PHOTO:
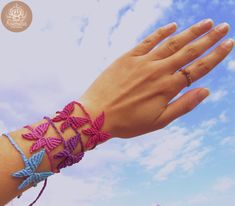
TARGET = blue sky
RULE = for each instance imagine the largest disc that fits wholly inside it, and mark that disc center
(190, 162)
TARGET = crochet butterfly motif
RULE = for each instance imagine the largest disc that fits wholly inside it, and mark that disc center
(67, 153)
(31, 165)
(69, 121)
(94, 132)
(41, 142)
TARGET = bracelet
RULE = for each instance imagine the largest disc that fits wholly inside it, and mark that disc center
(41, 142)
(48, 144)
(29, 171)
(94, 132)
(69, 146)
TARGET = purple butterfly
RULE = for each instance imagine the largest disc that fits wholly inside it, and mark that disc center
(69, 158)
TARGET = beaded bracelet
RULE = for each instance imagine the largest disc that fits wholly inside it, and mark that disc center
(29, 171)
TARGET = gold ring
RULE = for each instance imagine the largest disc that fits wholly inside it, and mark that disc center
(187, 74)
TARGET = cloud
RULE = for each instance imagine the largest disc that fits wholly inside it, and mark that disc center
(223, 117)
(224, 184)
(209, 123)
(228, 140)
(215, 194)
(64, 190)
(60, 69)
(216, 96)
(3, 127)
(231, 65)
(170, 149)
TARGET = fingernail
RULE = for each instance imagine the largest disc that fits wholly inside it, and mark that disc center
(170, 25)
(202, 94)
(228, 44)
(206, 22)
(222, 27)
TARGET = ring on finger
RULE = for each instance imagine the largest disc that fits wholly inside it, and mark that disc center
(187, 75)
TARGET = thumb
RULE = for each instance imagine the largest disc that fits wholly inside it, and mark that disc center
(184, 104)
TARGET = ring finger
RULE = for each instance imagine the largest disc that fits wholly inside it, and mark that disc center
(204, 65)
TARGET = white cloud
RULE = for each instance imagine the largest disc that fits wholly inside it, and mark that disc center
(230, 140)
(64, 190)
(231, 65)
(58, 68)
(168, 150)
(215, 194)
(216, 96)
(224, 184)
(3, 127)
(209, 123)
(223, 117)
(134, 23)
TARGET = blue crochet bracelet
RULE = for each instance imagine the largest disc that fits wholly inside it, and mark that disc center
(29, 171)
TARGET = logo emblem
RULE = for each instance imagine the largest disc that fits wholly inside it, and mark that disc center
(16, 16)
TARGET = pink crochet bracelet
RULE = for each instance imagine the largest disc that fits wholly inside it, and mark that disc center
(68, 156)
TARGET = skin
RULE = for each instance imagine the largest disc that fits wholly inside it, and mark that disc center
(135, 91)
(139, 85)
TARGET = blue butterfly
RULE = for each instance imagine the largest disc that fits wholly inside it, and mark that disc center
(31, 165)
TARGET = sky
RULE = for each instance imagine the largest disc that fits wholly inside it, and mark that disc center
(191, 162)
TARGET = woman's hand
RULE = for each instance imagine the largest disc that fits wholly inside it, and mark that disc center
(135, 90)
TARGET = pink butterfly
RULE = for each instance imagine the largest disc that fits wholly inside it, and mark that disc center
(41, 142)
(74, 122)
(94, 132)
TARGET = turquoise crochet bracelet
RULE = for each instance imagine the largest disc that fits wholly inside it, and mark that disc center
(29, 171)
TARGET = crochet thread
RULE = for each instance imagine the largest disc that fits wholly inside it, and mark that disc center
(41, 142)
(69, 146)
(67, 156)
(29, 171)
(94, 132)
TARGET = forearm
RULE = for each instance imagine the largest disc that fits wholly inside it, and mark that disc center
(11, 161)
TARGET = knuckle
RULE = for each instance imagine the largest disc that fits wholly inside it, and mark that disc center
(192, 52)
(203, 67)
(194, 32)
(162, 125)
(188, 106)
(214, 35)
(173, 45)
(138, 50)
(221, 50)
(160, 32)
(147, 40)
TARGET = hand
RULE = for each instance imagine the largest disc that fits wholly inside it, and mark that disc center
(135, 90)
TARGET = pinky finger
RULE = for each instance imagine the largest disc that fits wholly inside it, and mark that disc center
(184, 104)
